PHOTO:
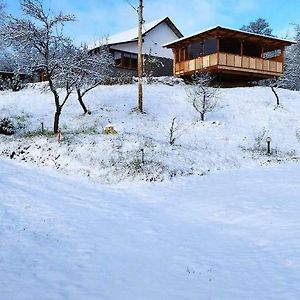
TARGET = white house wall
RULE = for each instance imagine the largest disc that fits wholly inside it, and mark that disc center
(153, 41)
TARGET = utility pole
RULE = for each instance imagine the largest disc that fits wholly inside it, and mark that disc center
(140, 56)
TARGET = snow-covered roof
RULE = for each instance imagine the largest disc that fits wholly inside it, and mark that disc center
(226, 28)
(131, 35)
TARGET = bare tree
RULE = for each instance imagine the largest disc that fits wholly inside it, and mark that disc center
(176, 131)
(274, 84)
(151, 64)
(39, 38)
(203, 97)
(90, 70)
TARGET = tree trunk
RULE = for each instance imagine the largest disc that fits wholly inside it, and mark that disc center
(80, 100)
(202, 116)
(276, 95)
(56, 119)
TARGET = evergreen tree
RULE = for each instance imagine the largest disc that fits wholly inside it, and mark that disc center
(259, 26)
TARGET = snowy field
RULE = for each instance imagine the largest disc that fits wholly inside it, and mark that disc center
(233, 136)
(231, 235)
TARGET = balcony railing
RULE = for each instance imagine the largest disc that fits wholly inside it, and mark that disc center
(225, 61)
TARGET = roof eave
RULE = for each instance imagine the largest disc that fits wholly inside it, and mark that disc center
(174, 43)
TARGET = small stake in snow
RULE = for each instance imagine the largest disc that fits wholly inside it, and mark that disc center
(143, 156)
(42, 124)
(269, 140)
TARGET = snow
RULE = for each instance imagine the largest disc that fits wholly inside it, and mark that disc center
(226, 140)
(231, 235)
(231, 232)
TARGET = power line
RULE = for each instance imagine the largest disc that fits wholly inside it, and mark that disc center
(132, 6)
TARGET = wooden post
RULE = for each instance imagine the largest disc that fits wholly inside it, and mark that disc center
(282, 59)
(218, 50)
(242, 52)
(140, 56)
(242, 48)
(282, 54)
(262, 52)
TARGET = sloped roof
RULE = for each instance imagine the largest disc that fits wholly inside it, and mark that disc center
(132, 34)
(220, 29)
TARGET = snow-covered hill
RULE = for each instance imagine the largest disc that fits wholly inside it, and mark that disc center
(233, 135)
(225, 236)
(228, 236)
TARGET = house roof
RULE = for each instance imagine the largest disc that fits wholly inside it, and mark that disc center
(132, 34)
(229, 32)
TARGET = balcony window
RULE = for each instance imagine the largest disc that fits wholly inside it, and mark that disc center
(210, 46)
(195, 50)
(231, 46)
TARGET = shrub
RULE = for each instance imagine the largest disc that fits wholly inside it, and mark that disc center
(6, 127)
(16, 82)
(3, 84)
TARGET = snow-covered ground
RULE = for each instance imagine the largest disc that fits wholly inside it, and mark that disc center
(232, 137)
(231, 235)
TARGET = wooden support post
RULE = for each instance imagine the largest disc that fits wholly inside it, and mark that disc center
(174, 61)
(242, 52)
(140, 56)
(218, 51)
(242, 48)
(282, 54)
(282, 59)
(262, 52)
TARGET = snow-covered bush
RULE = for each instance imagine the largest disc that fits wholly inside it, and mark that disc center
(259, 140)
(15, 83)
(119, 78)
(4, 85)
(6, 126)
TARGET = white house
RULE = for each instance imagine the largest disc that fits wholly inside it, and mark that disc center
(124, 45)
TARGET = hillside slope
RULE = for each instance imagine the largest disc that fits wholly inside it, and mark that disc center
(233, 135)
(232, 235)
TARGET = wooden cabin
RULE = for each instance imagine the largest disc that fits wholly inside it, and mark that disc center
(229, 54)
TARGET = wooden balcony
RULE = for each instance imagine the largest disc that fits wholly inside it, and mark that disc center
(231, 63)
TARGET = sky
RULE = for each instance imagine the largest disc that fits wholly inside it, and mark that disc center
(99, 18)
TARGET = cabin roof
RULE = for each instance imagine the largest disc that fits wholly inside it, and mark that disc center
(132, 34)
(233, 33)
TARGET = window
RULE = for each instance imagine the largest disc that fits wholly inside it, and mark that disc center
(252, 49)
(118, 58)
(210, 46)
(126, 60)
(202, 48)
(195, 50)
(230, 45)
